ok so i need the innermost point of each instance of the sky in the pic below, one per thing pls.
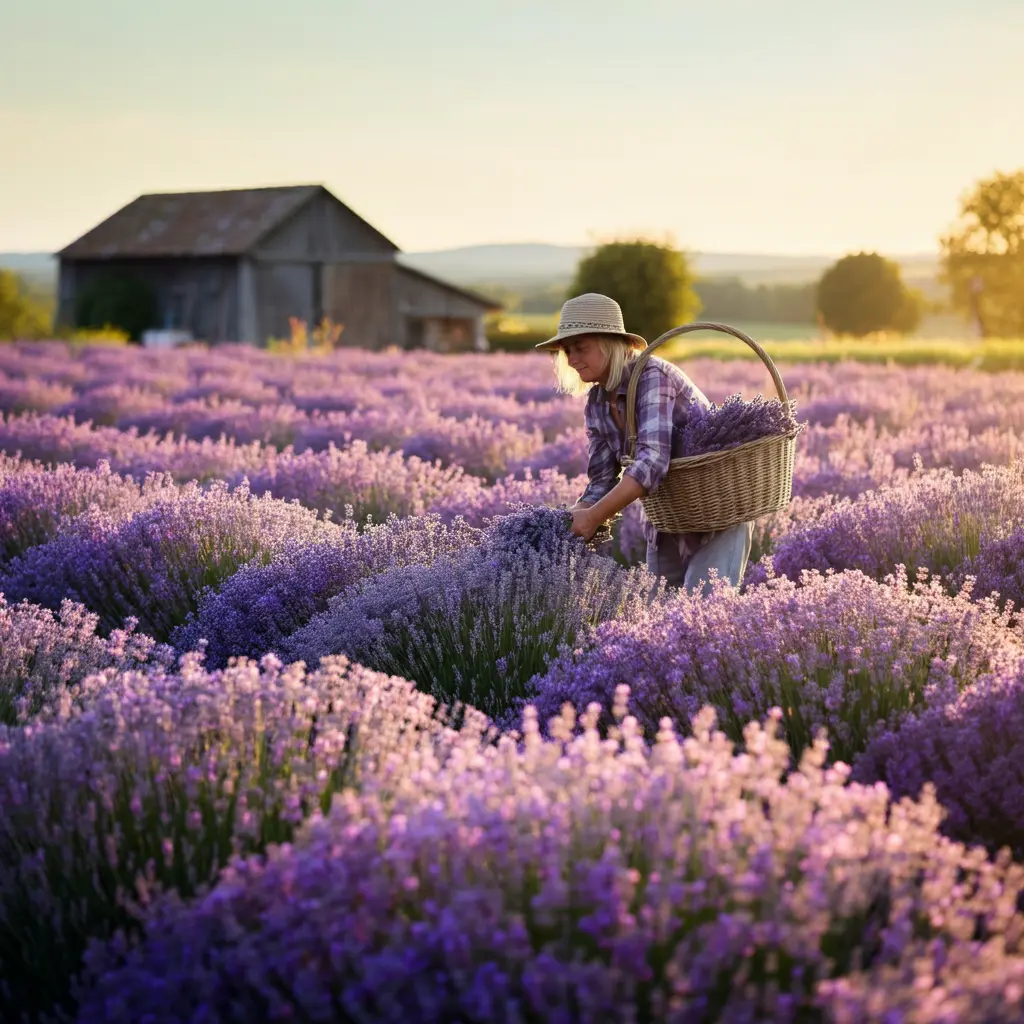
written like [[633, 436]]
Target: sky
[[771, 126]]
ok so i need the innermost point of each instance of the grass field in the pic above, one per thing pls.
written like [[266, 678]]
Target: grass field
[[991, 355]]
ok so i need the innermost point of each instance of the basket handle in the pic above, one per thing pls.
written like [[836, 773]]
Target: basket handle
[[634, 379]]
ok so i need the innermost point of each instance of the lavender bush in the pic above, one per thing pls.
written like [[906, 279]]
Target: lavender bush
[[42, 654], [156, 565], [586, 879], [162, 778], [969, 751], [476, 626], [478, 504], [935, 521], [997, 568], [35, 505], [262, 604], [839, 652], [373, 484]]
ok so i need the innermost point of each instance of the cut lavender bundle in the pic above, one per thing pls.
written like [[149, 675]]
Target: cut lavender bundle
[[717, 427]]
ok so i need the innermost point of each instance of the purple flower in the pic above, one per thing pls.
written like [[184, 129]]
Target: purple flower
[[43, 654], [262, 604], [836, 652], [156, 565], [158, 778], [969, 750], [734, 422], [476, 625], [590, 879]]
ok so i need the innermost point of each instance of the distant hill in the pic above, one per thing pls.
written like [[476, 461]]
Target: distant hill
[[526, 263], [518, 264], [39, 268]]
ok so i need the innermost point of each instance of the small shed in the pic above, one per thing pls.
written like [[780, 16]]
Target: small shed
[[236, 265]]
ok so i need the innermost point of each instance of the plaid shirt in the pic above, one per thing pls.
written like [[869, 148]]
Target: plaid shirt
[[663, 398]]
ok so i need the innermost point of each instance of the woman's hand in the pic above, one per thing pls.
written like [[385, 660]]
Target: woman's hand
[[584, 523]]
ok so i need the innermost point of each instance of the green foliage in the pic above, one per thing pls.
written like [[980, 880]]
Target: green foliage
[[653, 284], [729, 299], [511, 334], [21, 314], [117, 301], [983, 255], [864, 293]]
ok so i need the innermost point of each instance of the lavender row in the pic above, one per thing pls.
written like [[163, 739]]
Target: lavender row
[[150, 779], [585, 878], [111, 383]]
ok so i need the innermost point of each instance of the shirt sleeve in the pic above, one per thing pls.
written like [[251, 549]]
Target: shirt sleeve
[[655, 400], [602, 465]]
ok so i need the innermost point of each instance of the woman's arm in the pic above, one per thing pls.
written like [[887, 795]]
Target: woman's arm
[[655, 402], [602, 468], [587, 519]]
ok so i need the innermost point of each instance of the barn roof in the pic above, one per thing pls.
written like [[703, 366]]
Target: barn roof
[[437, 282], [223, 223]]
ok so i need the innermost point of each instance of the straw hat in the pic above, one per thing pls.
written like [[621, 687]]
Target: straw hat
[[592, 314]]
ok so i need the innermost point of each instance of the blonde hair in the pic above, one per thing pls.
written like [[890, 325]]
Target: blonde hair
[[619, 354]]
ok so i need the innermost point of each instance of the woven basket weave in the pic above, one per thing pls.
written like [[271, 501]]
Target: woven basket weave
[[701, 493]]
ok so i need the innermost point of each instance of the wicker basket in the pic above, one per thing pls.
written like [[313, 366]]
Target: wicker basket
[[720, 489]]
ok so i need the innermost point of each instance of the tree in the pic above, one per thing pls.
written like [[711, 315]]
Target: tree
[[122, 302], [652, 283], [983, 256], [863, 293], [21, 316]]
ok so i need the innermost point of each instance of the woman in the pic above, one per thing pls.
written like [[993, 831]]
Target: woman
[[594, 353]]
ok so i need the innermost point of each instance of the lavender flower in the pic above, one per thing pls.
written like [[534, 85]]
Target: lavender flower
[[35, 505], [839, 652], [161, 778], [589, 880], [42, 654], [158, 564], [476, 626], [478, 504], [262, 604], [375, 484], [969, 750], [997, 568], [734, 422], [935, 521]]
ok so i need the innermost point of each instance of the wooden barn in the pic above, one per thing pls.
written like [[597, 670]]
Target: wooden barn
[[236, 265]]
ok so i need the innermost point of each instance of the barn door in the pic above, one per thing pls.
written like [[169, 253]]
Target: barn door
[[284, 290]]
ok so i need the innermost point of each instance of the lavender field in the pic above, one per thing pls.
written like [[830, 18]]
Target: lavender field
[[309, 714]]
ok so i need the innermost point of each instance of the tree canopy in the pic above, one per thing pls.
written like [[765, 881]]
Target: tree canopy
[[652, 282], [983, 255], [21, 315], [863, 293]]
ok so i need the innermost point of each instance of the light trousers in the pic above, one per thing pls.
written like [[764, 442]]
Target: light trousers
[[727, 552]]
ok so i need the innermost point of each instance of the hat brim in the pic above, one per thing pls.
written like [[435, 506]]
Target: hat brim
[[634, 340]]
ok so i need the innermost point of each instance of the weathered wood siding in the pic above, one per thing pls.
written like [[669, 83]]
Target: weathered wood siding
[[419, 296], [361, 296], [434, 316], [199, 295], [323, 231], [284, 290]]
